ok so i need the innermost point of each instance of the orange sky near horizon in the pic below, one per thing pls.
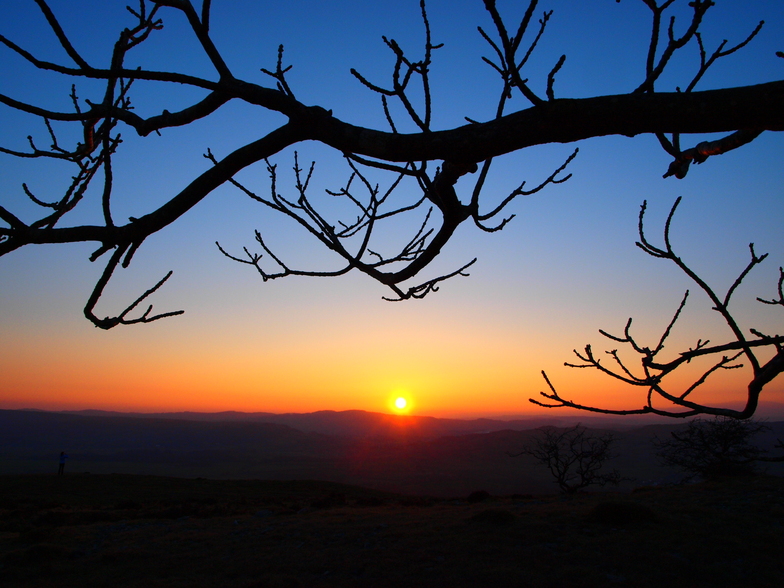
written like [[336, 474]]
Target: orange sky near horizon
[[173, 366]]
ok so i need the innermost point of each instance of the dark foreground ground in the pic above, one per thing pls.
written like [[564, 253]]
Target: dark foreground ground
[[118, 530]]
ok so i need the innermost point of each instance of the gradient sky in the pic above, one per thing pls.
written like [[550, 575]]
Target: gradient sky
[[564, 268]]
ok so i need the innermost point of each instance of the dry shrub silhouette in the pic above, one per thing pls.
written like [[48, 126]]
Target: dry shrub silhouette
[[574, 456], [715, 448]]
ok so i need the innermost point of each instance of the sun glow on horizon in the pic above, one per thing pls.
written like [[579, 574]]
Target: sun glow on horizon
[[400, 402]]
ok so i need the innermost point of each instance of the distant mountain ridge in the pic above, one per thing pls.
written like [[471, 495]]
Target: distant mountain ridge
[[360, 423], [415, 455], [348, 423]]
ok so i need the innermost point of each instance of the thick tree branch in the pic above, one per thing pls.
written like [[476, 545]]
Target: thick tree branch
[[742, 113], [139, 229], [759, 107]]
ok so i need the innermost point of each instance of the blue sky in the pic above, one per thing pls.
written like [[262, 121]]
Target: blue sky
[[565, 267]]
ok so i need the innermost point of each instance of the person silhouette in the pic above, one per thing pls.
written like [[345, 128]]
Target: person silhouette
[[61, 469]]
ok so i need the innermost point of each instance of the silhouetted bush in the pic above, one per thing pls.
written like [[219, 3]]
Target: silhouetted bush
[[713, 448], [574, 457]]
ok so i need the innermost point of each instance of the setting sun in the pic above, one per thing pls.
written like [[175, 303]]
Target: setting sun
[[399, 402]]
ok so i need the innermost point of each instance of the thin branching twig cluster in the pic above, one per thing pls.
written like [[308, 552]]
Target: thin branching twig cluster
[[656, 62], [716, 447], [652, 372], [92, 155], [574, 456], [437, 189]]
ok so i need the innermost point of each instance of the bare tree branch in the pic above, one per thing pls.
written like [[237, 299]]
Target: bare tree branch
[[652, 373], [433, 160]]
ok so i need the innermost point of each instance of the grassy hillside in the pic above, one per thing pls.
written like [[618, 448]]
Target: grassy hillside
[[119, 530]]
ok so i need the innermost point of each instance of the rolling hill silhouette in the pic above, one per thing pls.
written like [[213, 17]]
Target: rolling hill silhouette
[[414, 455]]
